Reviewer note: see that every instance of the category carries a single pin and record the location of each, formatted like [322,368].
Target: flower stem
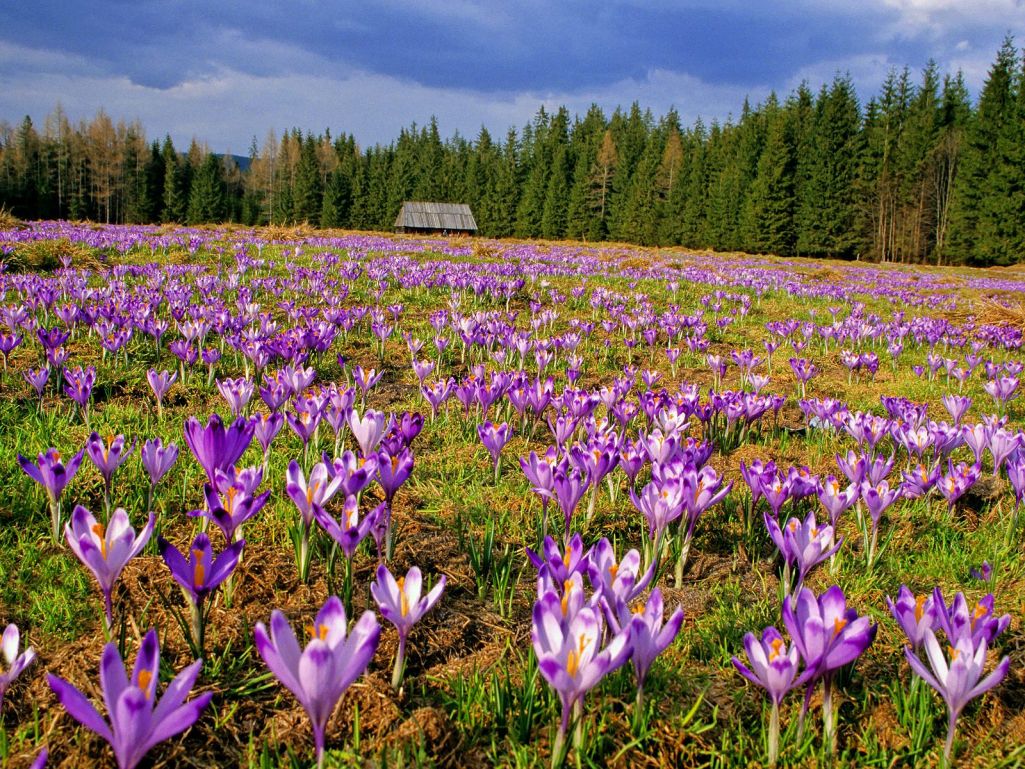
[400,664]
[948,747]
[829,731]
[197,628]
[774,734]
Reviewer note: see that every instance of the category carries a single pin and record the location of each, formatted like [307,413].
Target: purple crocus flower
[105,551]
[957,481]
[349,530]
[157,459]
[160,383]
[650,635]
[53,475]
[957,681]
[15,662]
[803,544]
[828,636]
[919,481]
[539,472]
[854,466]
[266,428]
[661,504]
[393,470]
[878,469]
[835,500]
[957,406]
[304,423]
[139,720]
[494,437]
[37,377]
[237,392]
[776,493]
[400,602]
[307,494]
[368,429]
[976,437]
[700,490]
[200,575]
[570,486]
[216,446]
[231,504]
[1002,443]
[554,566]
[107,454]
[877,498]
[984,573]
[319,674]
[773,668]
[570,654]
[618,583]
[355,472]
[1002,390]
[914,614]
[79,387]
[757,475]
[956,620]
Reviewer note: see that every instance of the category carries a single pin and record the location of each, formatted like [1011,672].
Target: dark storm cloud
[380,64]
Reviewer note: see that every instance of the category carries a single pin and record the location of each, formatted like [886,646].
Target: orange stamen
[198,571]
[317,631]
[101,534]
[145,677]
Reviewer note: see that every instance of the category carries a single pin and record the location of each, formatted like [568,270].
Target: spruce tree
[206,198]
[174,201]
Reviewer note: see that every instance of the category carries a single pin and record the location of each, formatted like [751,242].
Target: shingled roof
[450,217]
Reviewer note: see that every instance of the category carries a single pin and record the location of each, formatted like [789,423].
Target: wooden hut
[439,218]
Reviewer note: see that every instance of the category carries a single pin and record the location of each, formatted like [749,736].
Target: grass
[473,693]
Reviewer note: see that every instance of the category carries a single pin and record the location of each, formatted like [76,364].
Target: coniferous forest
[920,173]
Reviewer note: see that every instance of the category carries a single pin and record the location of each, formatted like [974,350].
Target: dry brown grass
[45,256]
[997,313]
[8,221]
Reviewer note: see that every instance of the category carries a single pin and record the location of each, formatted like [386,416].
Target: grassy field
[473,694]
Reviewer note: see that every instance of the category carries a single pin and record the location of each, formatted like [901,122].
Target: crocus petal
[113,678]
[176,692]
[177,721]
[991,680]
[132,716]
[79,707]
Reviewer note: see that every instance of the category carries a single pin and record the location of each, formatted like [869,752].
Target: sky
[208,70]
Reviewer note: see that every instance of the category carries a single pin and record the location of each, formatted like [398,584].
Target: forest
[921,172]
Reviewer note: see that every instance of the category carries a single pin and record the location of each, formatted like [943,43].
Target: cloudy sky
[204,69]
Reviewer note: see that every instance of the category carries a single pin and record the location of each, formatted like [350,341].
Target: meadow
[452,502]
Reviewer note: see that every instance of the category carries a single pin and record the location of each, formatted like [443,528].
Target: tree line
[921,173]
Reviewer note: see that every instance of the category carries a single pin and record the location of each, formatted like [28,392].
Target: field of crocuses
[278,498]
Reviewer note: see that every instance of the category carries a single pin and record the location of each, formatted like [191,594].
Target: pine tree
[308,194]
[976,227]
[553,213]
[769,210]
[945,158]
[827,208]
[206,198]
[174,201]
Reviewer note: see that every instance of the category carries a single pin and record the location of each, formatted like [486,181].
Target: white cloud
[228,108]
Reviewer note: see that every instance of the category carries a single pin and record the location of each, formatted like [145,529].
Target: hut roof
[436,216]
